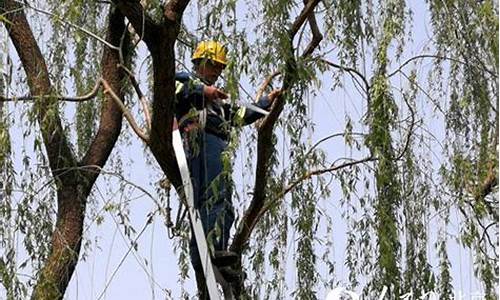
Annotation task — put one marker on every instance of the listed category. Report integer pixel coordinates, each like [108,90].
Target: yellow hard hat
[212,50]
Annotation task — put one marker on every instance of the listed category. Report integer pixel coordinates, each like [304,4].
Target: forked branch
[317,37]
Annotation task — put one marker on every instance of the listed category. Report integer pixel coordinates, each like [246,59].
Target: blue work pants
[212,191]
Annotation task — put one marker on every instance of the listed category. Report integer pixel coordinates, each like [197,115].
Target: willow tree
[392,189]
[72,173]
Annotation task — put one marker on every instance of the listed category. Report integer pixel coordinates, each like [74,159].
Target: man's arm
[191,93]
[246,116]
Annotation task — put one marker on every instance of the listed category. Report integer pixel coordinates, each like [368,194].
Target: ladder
[211,273]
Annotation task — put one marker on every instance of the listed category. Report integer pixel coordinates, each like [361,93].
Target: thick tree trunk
[66,243]
[67,237]
[73,180]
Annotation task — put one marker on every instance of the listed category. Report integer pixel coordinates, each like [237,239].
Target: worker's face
[209,70]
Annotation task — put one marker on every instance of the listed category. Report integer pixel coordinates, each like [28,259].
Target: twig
[306,176]
[329,137]
[485,233]
[265,84]
[131,247]
[410,131]
[462,210]
[126,113]
[85,97]
[437,57]
[322,171]
[59,19]
[421,89]
[12,11]
[350,70]
[140,94]
[485,188]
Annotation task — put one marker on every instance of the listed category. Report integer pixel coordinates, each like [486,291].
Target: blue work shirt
[217,116]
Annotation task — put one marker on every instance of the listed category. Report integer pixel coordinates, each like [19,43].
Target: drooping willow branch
[265,146]
[318,172]
[330,137]
[410,130]
[350,70]
[422,56]
[272,203]
[423,91]
[59,19]
[486,187]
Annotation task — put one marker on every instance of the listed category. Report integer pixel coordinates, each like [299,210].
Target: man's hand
[212,93]
[273,95]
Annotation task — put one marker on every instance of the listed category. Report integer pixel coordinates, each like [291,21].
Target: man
[204,120]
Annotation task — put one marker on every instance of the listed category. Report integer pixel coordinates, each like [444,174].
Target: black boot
[224,258]
[230,275]
[202,286]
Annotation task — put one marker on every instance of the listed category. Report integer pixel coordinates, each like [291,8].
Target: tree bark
[74,180]
[160,40]
[72,199]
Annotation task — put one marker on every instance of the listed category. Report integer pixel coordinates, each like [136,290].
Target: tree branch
[485,188]
[265,84]
[133,10]
[110,122]
[329,137]
[58,148]
[160,40]
[309,175]
[73,187]
[317,36]
[423,91]
[265,147]
[140,94]
[304,14]
[174,10]
[350,70]
[90,95]
[410,131]
[126,113]
[436,57]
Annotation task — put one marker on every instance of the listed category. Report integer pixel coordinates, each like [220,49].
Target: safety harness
[199,117]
